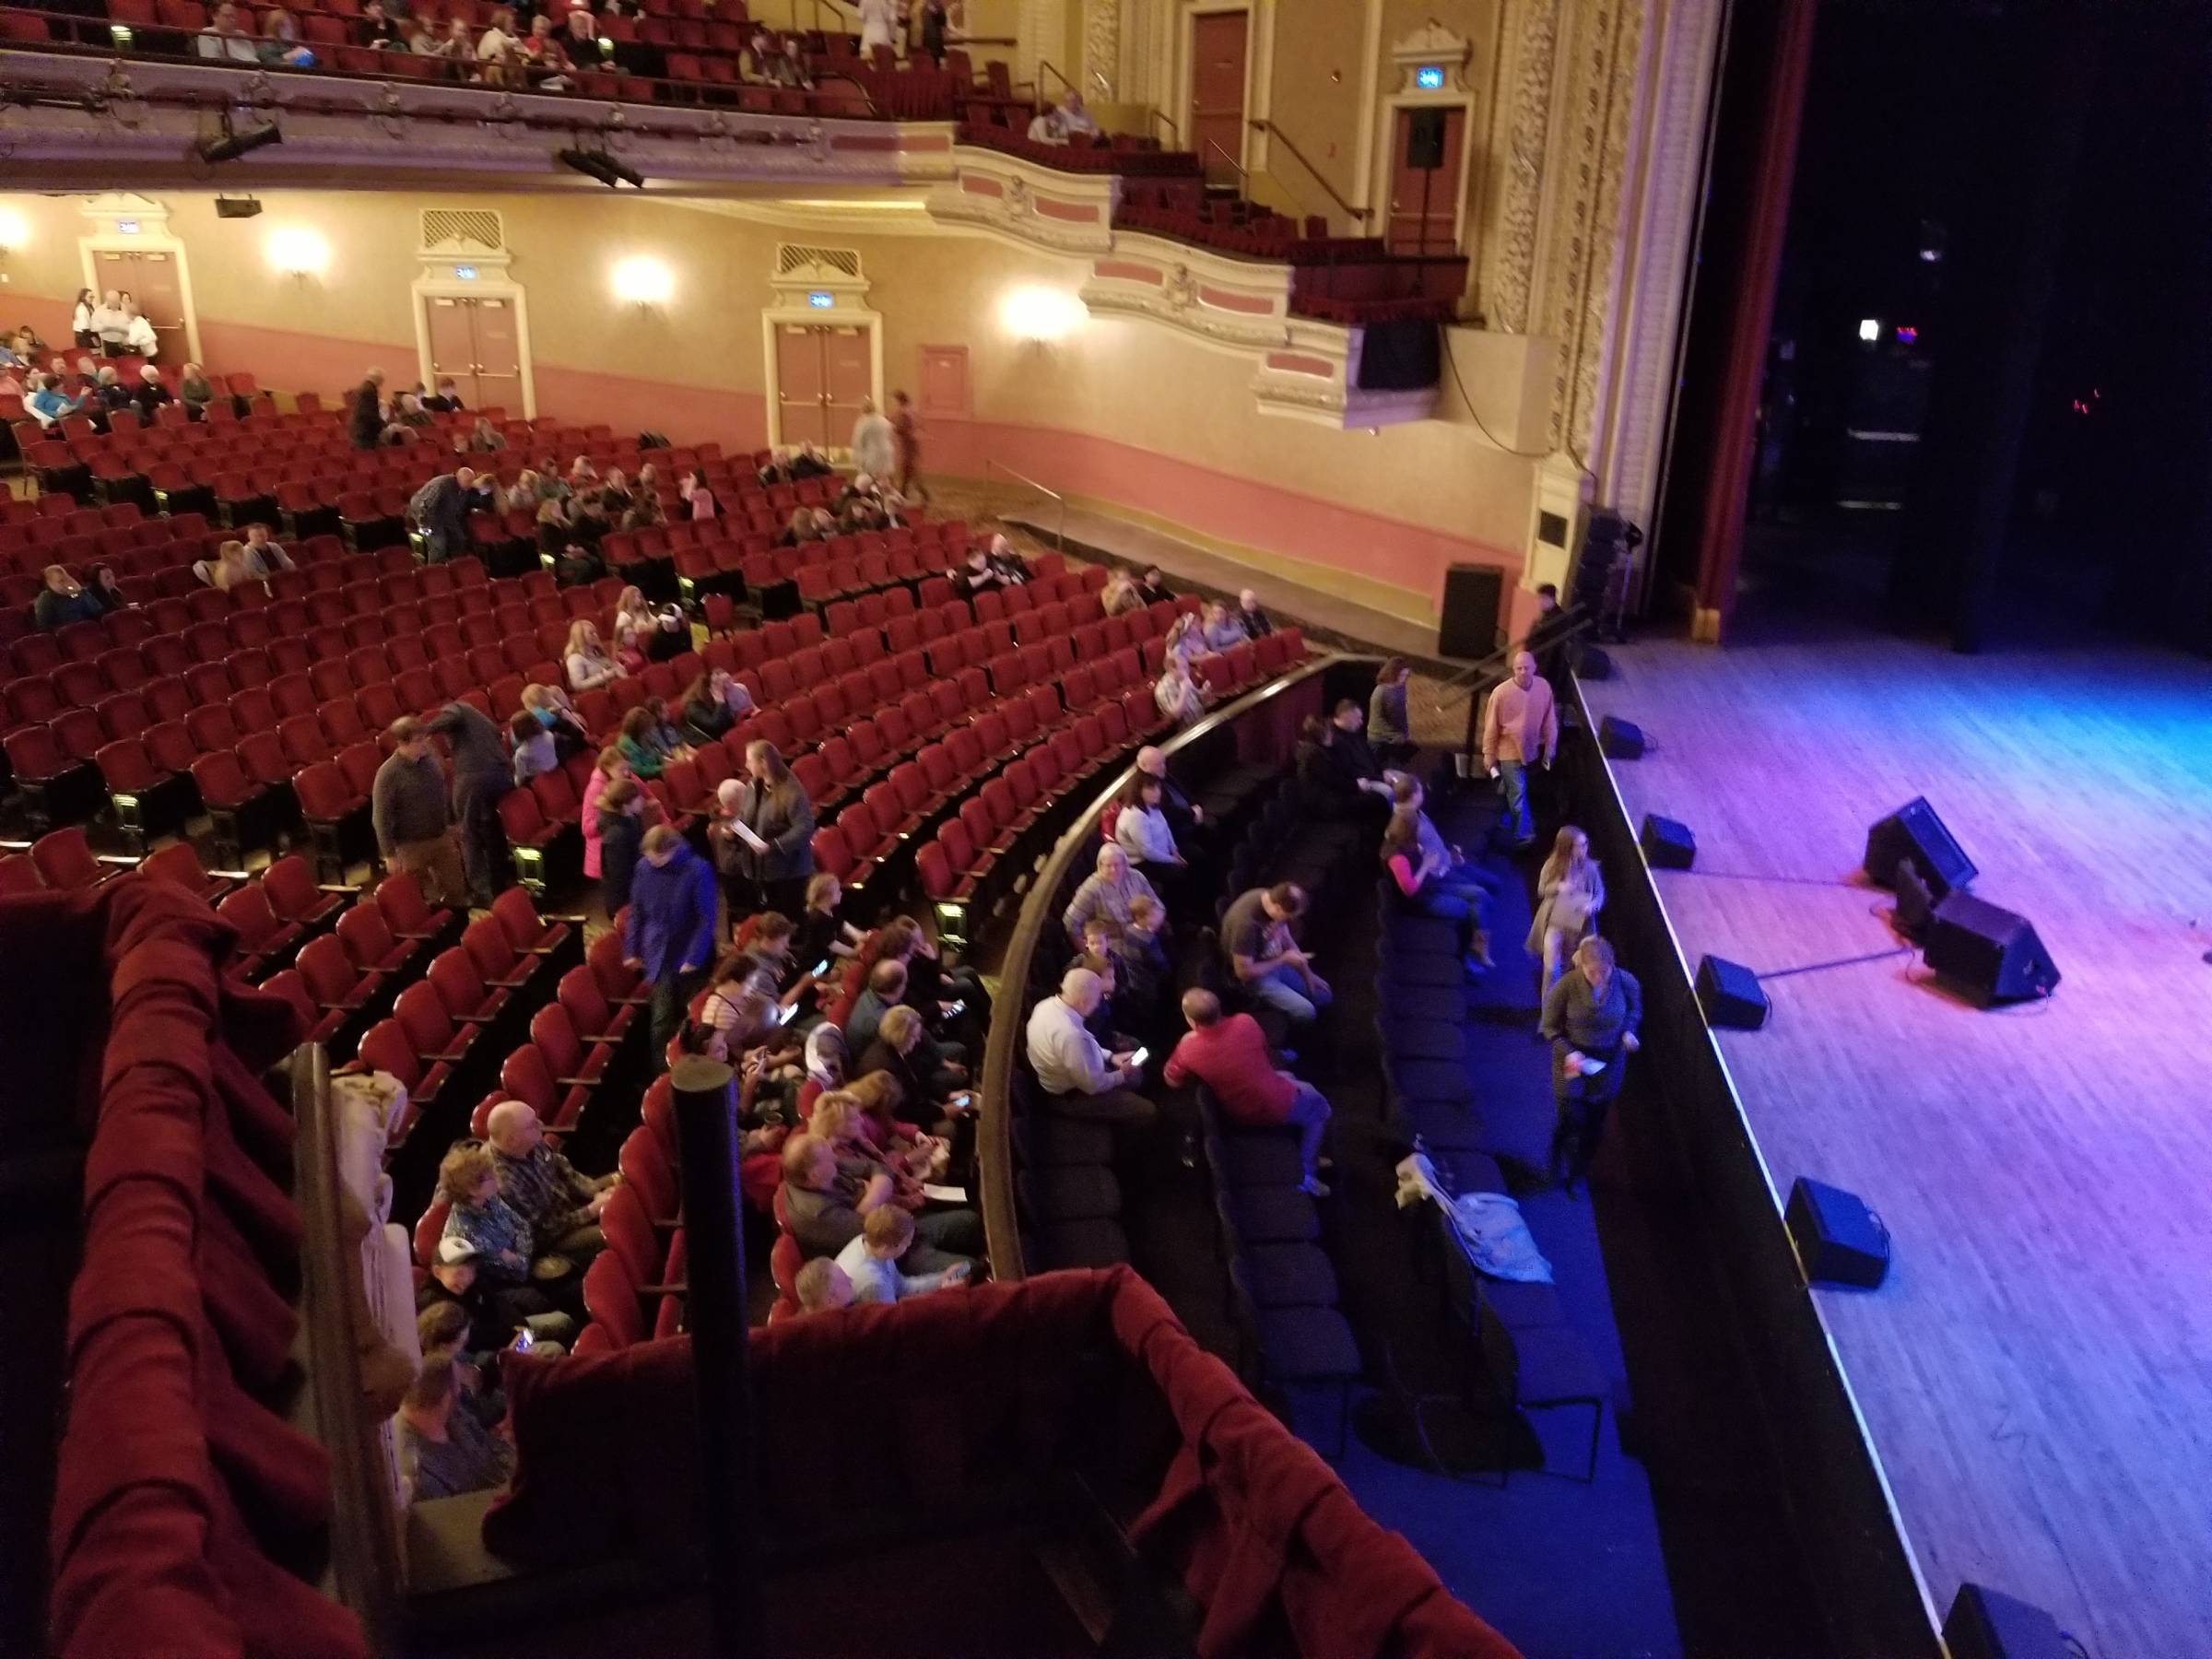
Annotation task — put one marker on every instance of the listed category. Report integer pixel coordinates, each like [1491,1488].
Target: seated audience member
[1185,817]
[87,381]
[1079,1079]
[533,752]
[1153,587]
[635,622]
[886,988]
[484,439]
[798,530]
[881,1101]
[280,40]
[1421,879]
[1109,890]
[871,1259]
[446,400]
[444,1451]
[810,463]
[1408,796]
[698,499]
[1387,719]
[1229,1056]
[264,555]
[1133,983]
[1219,629]
[423,41]
[1257,624]
[822,935]
[545,58]
[581,39]
[1328,786]
[1179,697]
[49,403]
[520,495]
[495,1312]
[714,703]
[442,1331]
[500,38]
[1075,119]
[978,574]
[150,393]
[194,391]
[469,1181]
[900,1049]
[1101,1023]
[618,830]
[589,665]
[63,601]
[228,569]
[556,526]
[826,1208]
[776,469]
[227,37]
[111,394]
[1009,564]
[1045,128]
[649,742]
[10,384]
[821,1286]
[107,592]
[1269,965]
[1142,831]
[1185,642]
[560,1205]
[550,707]
[1119,595]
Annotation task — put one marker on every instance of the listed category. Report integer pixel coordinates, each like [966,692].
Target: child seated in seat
[823,1287]
[871,1261]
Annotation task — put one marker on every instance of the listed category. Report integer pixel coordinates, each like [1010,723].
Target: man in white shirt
[875,449]
[1079,1079]
[1075,119]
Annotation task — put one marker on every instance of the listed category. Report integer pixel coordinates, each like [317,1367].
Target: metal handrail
[1046,67]
[1155,116]
[1237,167]
[1040,911]
[1361,215]
[1060,533]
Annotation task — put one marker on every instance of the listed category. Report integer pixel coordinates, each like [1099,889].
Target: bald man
[561,1206]
[1519,726]
[441,509]
[1079,1079]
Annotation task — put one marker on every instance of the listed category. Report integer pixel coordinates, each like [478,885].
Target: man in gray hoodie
[482,773]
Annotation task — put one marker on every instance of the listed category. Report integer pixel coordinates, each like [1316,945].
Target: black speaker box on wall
[1988,951]
[1839,1240]
[1914,832]
[1730,994]
[1667,845]
[1473,595]
[1619,738]
[1987,1624]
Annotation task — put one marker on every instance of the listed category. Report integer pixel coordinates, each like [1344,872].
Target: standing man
[875,442]
[670,936]
[1591,1015]
[906,430]
[440,509]
[1519,724]
[482,773]
[414,817]
[364,419]
[1229,1056]
[1255,932]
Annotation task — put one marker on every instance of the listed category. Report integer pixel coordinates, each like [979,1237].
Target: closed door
[823,374]
[1219,44]
[155,281]
[477,342]
[1424,179]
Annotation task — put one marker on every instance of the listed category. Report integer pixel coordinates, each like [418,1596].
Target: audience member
[482,772]
[713,703]
[1265,958]
[1153,587]
[63,601]
[698,499]
[1590,1017]
[82,326]
[280,40]
[265,556]
[875,441]
[111,395]
[227,37]
[1388,721]
[821,1286]
[646,742]
[1178,695]
[1256,622]
[468,1179]
[821,935]
[1079,1079]
[1421,879]
[440,508]
[411,811]
[670,935]
[871,1259]
[533,752]
[1109,890]
[1141,828]
[1220,629]
[495,1312]
[829,1204]
[1229,1056]
[551,708]
[107,592]
[906,430]
[1571,891]
[1044,128]
[561,1206]
[588,665]
[194,391]
[49,403]
[1520,725]
[609,767]
[772,832]
[1074,119]
[364,416]
[1120,594]
[442,1331]
[619,819]
[1185,642]
[444,1452]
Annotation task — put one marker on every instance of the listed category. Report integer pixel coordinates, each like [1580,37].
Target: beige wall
[1315,94]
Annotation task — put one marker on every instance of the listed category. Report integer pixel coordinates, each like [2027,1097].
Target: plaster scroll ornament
[1181,289]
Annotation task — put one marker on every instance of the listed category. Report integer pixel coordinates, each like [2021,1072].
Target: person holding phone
[1079,1079]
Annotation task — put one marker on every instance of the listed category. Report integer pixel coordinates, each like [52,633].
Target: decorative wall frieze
[1066,213]
[1527,114]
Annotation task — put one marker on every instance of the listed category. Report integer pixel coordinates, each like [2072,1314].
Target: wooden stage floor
[2036,1375]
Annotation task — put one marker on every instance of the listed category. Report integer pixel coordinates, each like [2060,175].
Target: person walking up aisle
[670,937]
[1590,1017]
[1520,725]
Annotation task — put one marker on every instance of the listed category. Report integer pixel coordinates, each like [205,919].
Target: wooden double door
[155,278]
[477,342]
[824,372]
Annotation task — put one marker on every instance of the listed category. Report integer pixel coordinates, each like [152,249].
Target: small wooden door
[824,372]
[155,281]
[477,342]
[1219,42]
[945,381]
[1423,201]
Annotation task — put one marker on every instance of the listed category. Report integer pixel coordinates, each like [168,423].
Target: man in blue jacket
[671,931]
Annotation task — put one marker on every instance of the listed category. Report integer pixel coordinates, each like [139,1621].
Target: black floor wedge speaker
[1914,832]
[1987,1624]
[1991,953]
[1729,994]
[1619,738]
[1839,1240]
[1667,845]
[1591,663]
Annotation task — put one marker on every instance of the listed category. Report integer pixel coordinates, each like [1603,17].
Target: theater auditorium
[1017,827]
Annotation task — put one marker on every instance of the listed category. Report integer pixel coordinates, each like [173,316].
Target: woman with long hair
[1417,880]
[1571,891]
[589,665]
[610,767]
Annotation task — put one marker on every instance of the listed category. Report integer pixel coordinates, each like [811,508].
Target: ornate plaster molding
[1433,43]
[1066,213]
[1527,138]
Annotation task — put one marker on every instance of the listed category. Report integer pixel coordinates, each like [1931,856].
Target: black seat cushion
[1411,1038]
[1074,1192]
[1278,1215]
[1292,1276]
[1310,1345]
[1259,1157]
[1100,1243]
[1430,1079]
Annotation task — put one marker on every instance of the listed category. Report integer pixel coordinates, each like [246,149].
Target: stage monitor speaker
[1914,832]
[1620,739]
[1667,845]
[1474,595]
[1990,952]
[1987,1624]
[1591,663]
[1730,994]
[1425,140]
[1839,1240]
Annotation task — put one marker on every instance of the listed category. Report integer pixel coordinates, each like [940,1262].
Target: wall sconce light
[298,253]
[1041,315]
[15,232]
[644,281]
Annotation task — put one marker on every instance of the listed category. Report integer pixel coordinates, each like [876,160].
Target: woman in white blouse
[81,323]
[589,665]
[1141,828]
[139,336]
